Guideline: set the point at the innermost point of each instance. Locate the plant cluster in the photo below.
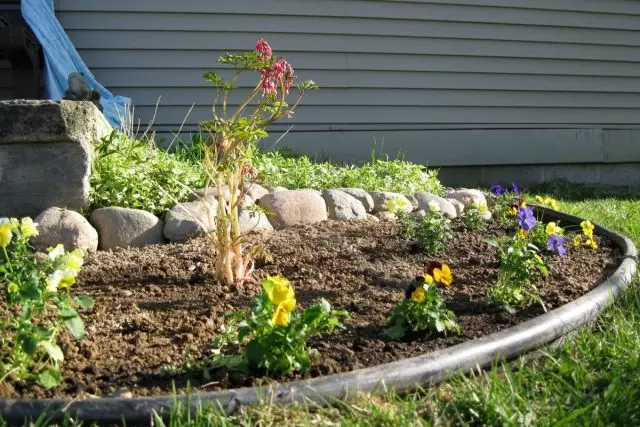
(474, 216)
(273, 337)
(431, 231)
(39, 304)
(506, 203)
(586, 238)
(424, 309)
(134, 173)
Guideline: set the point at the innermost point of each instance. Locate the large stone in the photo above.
(66, 227)
(253, 220)
(343, 206)
(255, 191)
(45, 154)
(190, 219)
(381, 201)
(362, 196)
(456, 204)
(444, 205)
(294, 207)
(125, 227)
(212, 194)
(467, 196)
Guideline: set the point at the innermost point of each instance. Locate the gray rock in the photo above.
(467, 196)
(212, 194)
(277, 189)
(362, 196)
(380, 199)
(385, 216)
(66, 227)
(413, 200)
(190, 219)
(343, 206)
(456, 204)
(124, 227)
(253, 220)
(45, 154)
(445, 206)
(372, 218)
(255, 191)
(293, 207)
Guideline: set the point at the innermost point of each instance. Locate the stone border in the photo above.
(401, 375)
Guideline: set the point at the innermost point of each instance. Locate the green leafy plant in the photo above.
(273, 336)
(39, 304)
(134, 173)
(431, 231)
(233, 135)
(424, 309)
(474, 216)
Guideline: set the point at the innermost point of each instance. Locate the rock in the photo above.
(212, 194)
(362, 196)
(78, 90)
(343, 206)
(190, 219)
(277, 189)
(419, 213)
(293, 207)
(253, 220)
(380, 199)
(45, 154)
(125, 227)
(66, 227)
(413, 201)
(372, 218)
(457, 205)
(467, 196)
(445, 206)
(385, 216)
(255, 191)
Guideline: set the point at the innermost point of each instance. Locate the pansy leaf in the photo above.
(49, 378)
(85, 301)
(75, 325)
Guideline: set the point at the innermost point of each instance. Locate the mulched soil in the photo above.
(159, 306)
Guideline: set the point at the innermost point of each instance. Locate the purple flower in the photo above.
(497, 190)
(555, 244)
(514, 188)
(526, 219)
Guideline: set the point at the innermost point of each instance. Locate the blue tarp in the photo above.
(62, 58)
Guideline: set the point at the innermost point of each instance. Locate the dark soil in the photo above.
(159, 306)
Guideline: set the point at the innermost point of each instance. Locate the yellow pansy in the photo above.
(280, 316)
(73, 261)
(591, 243)
(67, 280)
(418, 295)
(587, 228)
(577, 240)
(280, 291)
(523, 234)
(28, 228)
(443, 275)
(547, 201)
(553, 228)
(513, 211)
(12, 288)
(428, 279)
(5, 235)
(56, 252)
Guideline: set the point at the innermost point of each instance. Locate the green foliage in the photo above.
(431, 231)
(136, 174)
(518, 265)
(504, 210)
(39, 305)
(273, 337)
(474, 216)
(423, 310)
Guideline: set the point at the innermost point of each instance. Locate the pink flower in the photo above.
(251, 171)
(268, 86)
(263, 48)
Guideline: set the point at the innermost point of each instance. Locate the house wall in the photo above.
(449, 83)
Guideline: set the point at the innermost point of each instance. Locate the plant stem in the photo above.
(6, 256)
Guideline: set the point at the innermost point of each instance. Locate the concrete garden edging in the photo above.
(401, 375)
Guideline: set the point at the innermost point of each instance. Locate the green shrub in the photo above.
(133, 173)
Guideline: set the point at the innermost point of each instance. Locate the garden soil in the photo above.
(158, 308)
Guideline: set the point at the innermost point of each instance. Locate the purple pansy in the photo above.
(556, 244)
(497, 190)
(526, 219)
(514, 188)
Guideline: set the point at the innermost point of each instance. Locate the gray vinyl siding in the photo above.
(445, 82)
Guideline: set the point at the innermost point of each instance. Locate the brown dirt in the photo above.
(157, 305)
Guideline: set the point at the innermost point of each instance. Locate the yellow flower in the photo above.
(280, 291)
(68, 279)
(12, 288)
(73, 261)
(418, 295)
(428, 279)
(443, 275)
(13, 223)
(547, 201)
(56, 252)
(280, 316)
(53, 281)
(28, 228)
(523, 234)
(483, 208)
(553, 228)
(513, 211)
(5, 235)
(587, 228)
(577, 240)
(591, 243)
(540, 200)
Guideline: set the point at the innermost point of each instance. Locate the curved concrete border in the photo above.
(401, 375)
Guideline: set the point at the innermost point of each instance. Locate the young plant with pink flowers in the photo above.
(233, 137)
